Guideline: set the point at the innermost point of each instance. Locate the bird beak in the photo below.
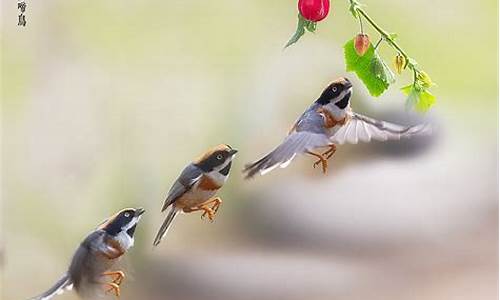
(348, 84)
(233, 152)
(139, 211)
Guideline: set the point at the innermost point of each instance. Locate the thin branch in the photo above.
(387, 37)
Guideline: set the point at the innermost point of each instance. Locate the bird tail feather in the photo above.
(166, 225)
(62, 285)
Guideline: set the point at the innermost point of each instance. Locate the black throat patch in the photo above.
(131, 231)
(226, 169)
(344, 101)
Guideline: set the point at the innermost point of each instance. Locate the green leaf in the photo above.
(425, 101)
(421, 100)
(301, 24)
(381, 70)
(424, 79)
(412, 98)
(372, 72)
(407, 89)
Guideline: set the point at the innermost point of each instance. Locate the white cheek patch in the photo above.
(131, 224)
(217, 169)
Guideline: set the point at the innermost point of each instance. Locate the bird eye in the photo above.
(334, 89)
(127, 215)
(219, 156)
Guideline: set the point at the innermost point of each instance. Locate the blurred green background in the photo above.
(104, 103)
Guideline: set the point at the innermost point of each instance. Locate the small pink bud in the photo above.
(361, 43)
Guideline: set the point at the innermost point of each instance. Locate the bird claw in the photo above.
(330, 152)
(211, 211)
(208, 212)
(118, 276)
(215, 207)
(323, 158)
(113, 287)
(324, 164)
(316, 163)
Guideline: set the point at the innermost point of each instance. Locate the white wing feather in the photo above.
(365, 129)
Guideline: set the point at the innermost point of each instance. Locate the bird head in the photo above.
(217, 158)
(338, 92)
(123, 222)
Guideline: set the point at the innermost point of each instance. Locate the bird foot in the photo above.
(330, 152)
(324, 164)
(214, 208)
(117, 276)
(113, 287)
(207, 211)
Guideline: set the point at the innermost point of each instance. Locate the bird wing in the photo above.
(310, 121)
(295, 143)
(189, 176)
(94, 242)
(364, 129)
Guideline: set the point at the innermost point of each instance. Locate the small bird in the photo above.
(328, 122)
(197, 185)
(90, 270)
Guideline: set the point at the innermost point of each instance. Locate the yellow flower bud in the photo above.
(425, 79)
(399, 63)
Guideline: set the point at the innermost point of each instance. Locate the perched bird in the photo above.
(197, 185)
(328, 122)
(90, 271)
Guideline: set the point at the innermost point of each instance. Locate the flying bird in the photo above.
(329, 122)
(90, 271)
(196, 187)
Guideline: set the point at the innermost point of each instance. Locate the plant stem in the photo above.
(382, 32)
(360, 24)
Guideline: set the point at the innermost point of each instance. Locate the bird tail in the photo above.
(166, 225)
(295, 143)
(62, 285)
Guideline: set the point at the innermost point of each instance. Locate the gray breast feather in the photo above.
(364, 129)
(189, 176)
(295, 143)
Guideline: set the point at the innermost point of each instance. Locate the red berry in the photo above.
(361, 43)
(314, 10)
